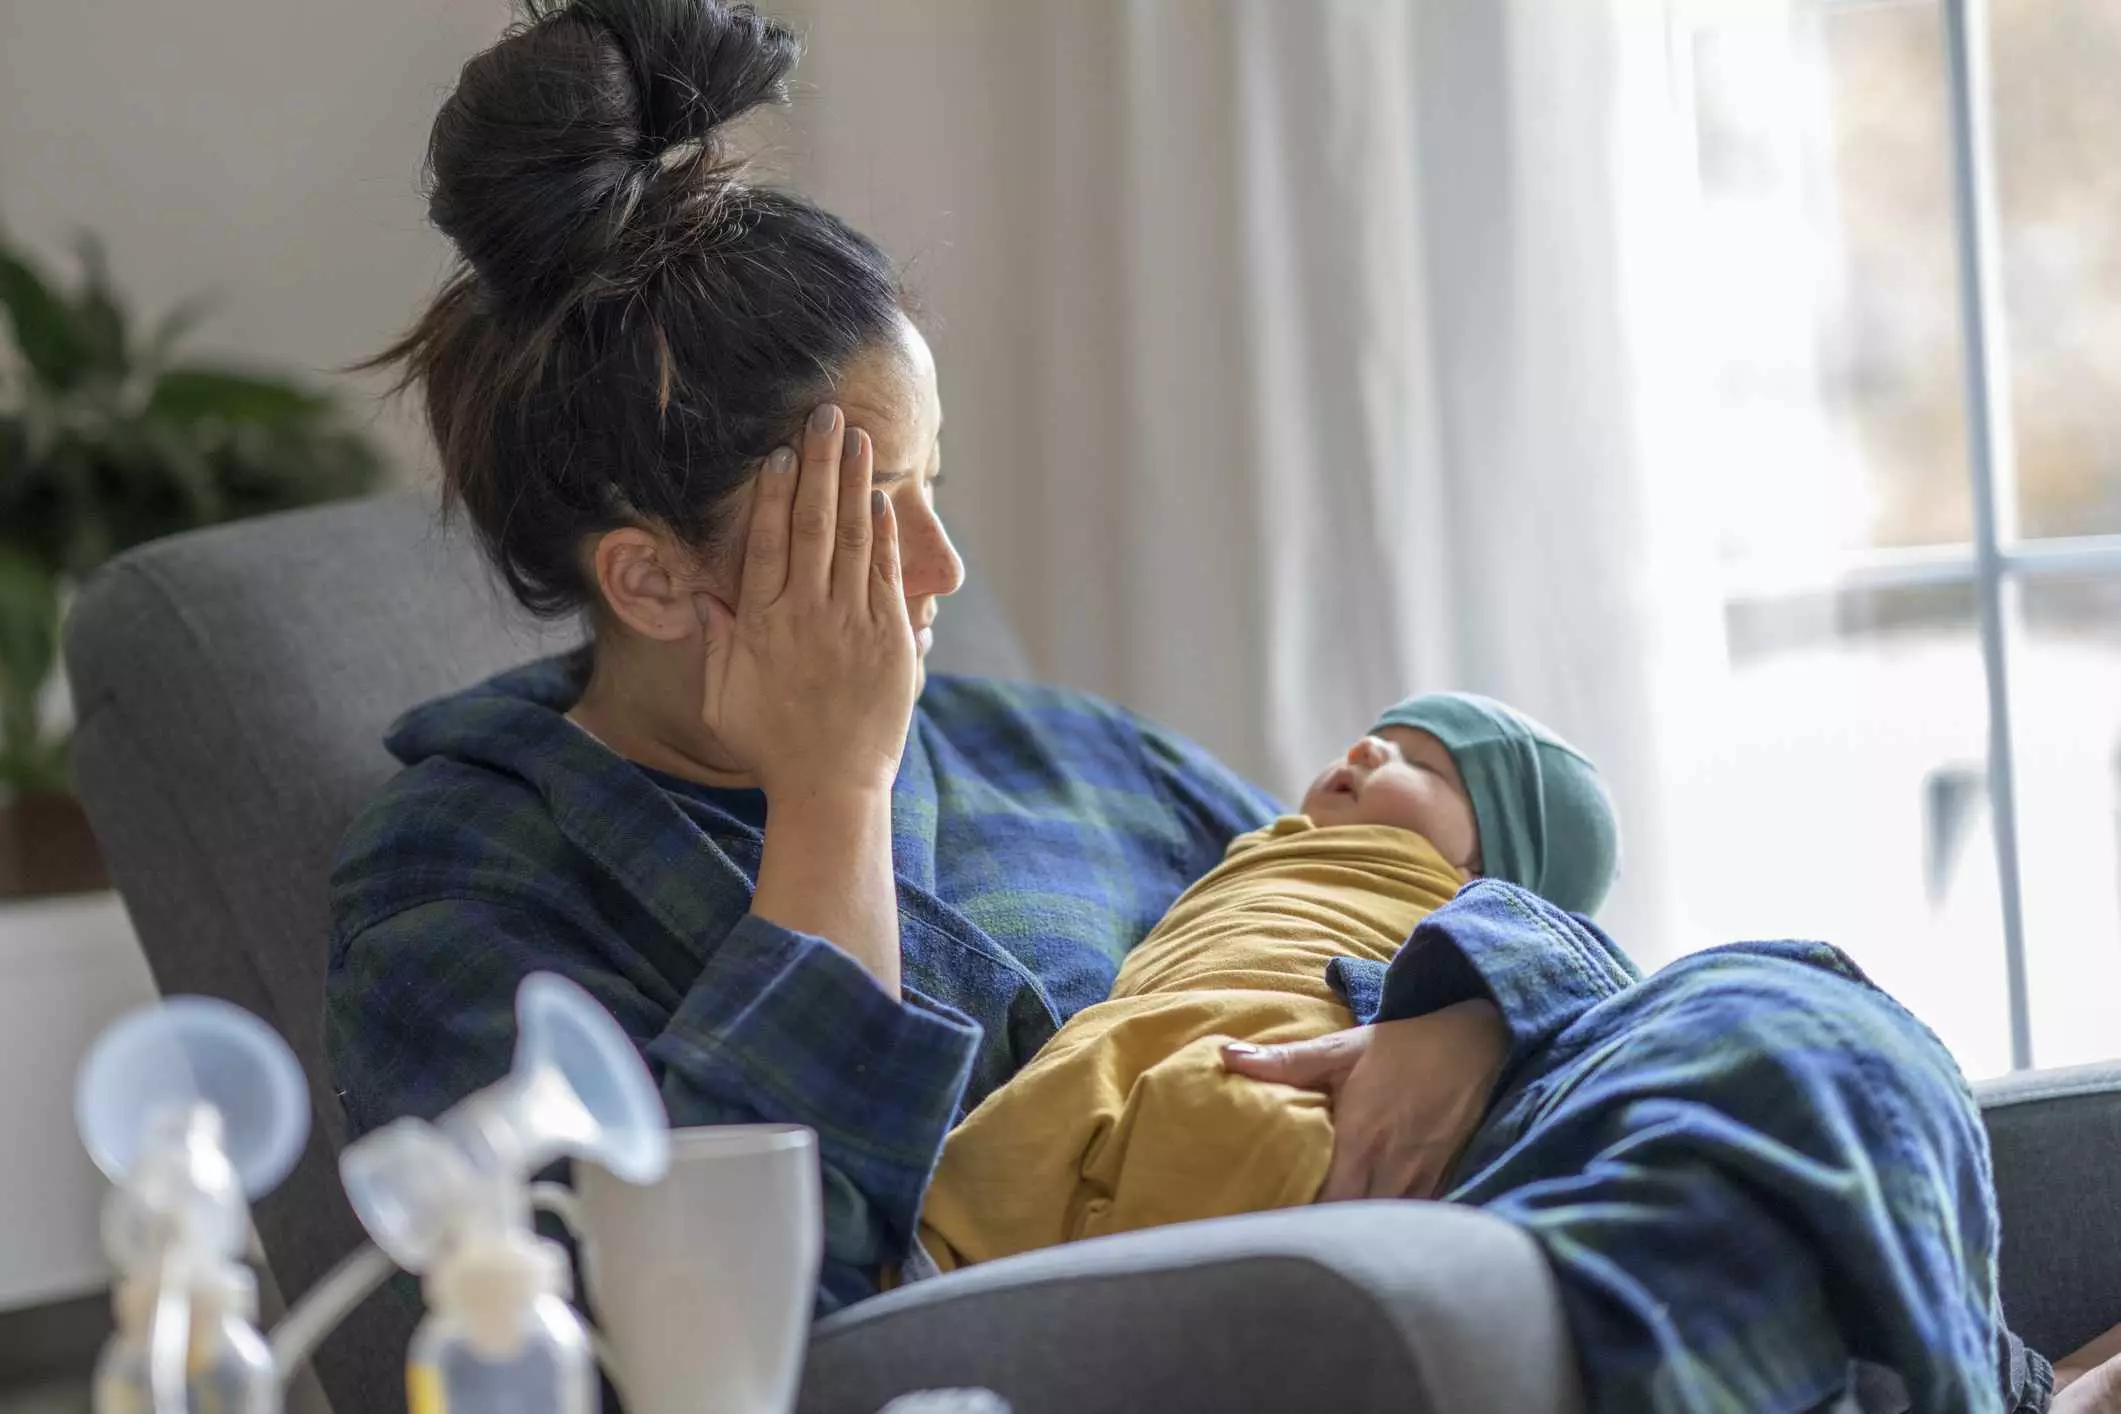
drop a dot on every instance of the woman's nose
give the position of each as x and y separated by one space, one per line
928 562
1369 753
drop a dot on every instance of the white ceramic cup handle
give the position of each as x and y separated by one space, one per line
560 1201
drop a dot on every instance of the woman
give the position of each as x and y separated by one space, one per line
693 409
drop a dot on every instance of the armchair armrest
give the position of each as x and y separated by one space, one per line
2056 1136
1421 1307
1416 1306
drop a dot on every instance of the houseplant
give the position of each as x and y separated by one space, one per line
109 438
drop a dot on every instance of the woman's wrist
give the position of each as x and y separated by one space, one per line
826 870
822 804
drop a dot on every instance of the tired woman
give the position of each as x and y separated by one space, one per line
692 409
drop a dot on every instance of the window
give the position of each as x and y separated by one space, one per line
1908 230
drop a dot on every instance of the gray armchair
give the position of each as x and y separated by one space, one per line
233 687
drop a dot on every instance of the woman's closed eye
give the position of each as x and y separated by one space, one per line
890 480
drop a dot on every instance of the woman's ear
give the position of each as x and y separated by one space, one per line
648 581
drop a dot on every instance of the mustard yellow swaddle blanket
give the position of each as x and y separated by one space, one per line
1126 1119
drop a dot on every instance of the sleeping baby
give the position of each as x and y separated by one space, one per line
1127 1118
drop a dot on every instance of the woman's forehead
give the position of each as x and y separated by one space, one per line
890 393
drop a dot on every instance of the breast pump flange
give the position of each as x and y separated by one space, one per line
191 1107
451 1200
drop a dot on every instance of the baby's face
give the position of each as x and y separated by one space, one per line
1404 778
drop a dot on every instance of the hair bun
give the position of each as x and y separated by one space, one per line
697 64
551 142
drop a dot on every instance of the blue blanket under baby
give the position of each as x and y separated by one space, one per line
1754 1173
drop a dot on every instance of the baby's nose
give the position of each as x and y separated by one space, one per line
1369 753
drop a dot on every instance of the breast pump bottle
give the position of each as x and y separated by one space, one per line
451 1200
189 1107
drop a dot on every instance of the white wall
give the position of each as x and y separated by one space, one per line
68 968
265 151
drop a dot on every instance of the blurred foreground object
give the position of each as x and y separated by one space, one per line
190 1107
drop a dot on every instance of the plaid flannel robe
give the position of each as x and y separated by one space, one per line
1037 835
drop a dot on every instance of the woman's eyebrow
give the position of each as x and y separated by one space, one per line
881 477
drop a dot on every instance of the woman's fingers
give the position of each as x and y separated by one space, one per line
1404 1171
813 522
766 540
718 627
850 553
715 618
1375 1153
887 596
1354 1159
1321 1064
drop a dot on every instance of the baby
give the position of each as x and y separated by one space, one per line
1127 1118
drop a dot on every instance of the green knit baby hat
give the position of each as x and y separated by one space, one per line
1544 817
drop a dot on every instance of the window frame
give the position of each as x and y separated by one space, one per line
2001 560
1998 561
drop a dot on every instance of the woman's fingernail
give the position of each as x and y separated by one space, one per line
852 450
877 501
781 462
824 417
1241 1048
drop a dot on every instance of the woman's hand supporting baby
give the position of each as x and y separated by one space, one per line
1407 1095
811 679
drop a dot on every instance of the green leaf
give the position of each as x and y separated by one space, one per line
14 460
39 765
29 621
183 467
102 447
44 325
84 539
29 649
99 316
195 393
171 329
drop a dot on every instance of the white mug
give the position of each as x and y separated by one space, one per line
703 1283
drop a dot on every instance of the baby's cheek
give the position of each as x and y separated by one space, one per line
1465 843
1402 804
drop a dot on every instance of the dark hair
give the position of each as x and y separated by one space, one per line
633 324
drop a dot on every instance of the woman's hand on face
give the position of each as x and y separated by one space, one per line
811 678
1407 1095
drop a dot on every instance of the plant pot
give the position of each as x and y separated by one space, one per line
46 847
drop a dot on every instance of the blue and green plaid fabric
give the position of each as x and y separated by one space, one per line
1763 1186
1037 834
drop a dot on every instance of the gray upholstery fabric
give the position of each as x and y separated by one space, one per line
2057 1141
233 687
1412 1307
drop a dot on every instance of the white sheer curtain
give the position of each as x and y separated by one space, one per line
1297 357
